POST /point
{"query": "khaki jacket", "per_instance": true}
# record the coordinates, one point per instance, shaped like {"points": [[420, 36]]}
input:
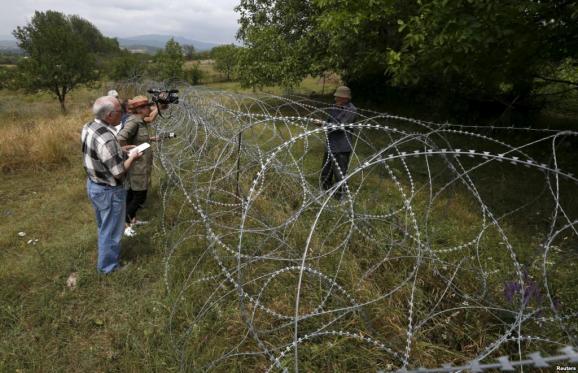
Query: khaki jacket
{"points": [[136, 132]]}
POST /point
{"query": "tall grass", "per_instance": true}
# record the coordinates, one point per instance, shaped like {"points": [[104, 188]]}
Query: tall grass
{"points": [[36, 135]]}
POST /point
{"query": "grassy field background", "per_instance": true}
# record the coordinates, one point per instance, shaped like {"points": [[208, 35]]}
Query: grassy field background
{"points": [[105, 323], [102, 324], [129, 321]]}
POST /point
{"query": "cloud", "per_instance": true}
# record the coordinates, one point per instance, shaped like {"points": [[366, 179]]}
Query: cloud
{"points": [[213, 20]]}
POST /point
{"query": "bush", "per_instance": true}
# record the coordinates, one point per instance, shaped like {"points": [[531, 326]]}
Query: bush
{"points": [[194, 75]]}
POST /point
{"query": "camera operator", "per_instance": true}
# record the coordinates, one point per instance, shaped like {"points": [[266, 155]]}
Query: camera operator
{"points": [[137, 131]]}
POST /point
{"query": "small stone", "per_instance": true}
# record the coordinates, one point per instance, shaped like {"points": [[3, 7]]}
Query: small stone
{"points": [[72, 280], [22, 234]]}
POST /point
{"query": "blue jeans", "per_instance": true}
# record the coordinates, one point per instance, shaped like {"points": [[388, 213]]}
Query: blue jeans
{"points": [[110, 207]]}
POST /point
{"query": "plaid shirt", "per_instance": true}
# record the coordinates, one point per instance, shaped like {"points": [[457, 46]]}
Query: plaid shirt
{"points": [[102, 155]]}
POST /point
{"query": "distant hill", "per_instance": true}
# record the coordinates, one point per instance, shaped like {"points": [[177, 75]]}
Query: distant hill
{"points": [[152, 43], [141, 43], [8, 44]]}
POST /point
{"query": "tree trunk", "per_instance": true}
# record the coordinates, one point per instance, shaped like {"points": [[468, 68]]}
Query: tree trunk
{"points": [[61, 97], [62, 106]]}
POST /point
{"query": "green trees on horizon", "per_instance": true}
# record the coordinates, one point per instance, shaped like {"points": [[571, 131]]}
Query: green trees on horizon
{"points": [[510, 52], [168, 63], [65, 51]]}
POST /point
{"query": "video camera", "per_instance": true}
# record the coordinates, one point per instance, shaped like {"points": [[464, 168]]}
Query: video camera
{"points": [[164, 96]]}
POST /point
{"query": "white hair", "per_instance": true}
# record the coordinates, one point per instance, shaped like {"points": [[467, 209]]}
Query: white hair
{"points": [[104, 106]]}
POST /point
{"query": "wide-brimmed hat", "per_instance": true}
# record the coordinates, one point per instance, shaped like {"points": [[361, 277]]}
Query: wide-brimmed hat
{"points": [[343, 91], [138, 101], [112, 93]]}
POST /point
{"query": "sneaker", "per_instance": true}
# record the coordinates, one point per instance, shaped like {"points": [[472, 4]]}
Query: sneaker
{"points": [[140, 222], [129, 232]]}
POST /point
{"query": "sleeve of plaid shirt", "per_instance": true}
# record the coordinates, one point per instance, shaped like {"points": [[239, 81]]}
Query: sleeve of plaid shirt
{"points": [[110, 154]]}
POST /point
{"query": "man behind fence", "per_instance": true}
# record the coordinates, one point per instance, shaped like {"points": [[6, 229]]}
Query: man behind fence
{"points": [[339, 141]]}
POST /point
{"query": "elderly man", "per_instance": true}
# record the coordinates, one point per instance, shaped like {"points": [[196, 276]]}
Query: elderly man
{"points": [[106, 164], [136, 131], [339, 141]]}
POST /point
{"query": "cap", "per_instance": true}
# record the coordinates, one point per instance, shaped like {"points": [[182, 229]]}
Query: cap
{"points": [[112, 93], [343, 92]]}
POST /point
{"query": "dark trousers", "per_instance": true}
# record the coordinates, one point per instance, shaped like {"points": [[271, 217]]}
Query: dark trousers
{"points": [[135, 200], [333, 170]]}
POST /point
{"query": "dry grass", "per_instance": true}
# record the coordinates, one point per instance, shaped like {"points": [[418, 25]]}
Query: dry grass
{"points": [[36, 135], [41, 144]]}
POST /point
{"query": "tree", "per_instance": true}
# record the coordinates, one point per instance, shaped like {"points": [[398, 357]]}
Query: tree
{"points": [[7, 77], [225, 57], [194, 74], [484, 48], [478, 49], [61, 53], [189, 52], [282, 43], [168, 63], [281, 64], [127, 65]]}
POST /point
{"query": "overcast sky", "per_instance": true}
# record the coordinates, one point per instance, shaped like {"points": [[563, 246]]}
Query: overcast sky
{"points": [[203, 20]]}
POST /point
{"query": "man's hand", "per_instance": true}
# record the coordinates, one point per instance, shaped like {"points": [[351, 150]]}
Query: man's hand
{"points": [[127, 148], [134, 155]]}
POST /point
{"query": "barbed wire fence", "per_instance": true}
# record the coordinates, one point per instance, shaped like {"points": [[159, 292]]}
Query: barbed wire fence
{"points": [[420, 263]]}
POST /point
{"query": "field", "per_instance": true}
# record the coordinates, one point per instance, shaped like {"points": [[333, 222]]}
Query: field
{"points": [[217, 80], [147, 317]]}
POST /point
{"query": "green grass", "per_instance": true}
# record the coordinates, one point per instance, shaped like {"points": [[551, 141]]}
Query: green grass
{"points": [[129, 321], [455, 219], [309, 86], [106, 322]]}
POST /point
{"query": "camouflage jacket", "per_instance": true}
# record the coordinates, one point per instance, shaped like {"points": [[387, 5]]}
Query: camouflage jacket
{"points": [[136, 132]]}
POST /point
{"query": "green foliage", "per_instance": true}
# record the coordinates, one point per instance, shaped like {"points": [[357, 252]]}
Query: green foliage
{"points": [[61, 53], [8, 58], [270, 60], [480, 49], [6, 77], [128, 65], [226, 57], [282, 45], [189, 52], [193, 75], [168, 63], [92, 37]]}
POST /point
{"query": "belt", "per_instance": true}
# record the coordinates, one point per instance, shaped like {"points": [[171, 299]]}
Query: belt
{"points": [[101, 184]]}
